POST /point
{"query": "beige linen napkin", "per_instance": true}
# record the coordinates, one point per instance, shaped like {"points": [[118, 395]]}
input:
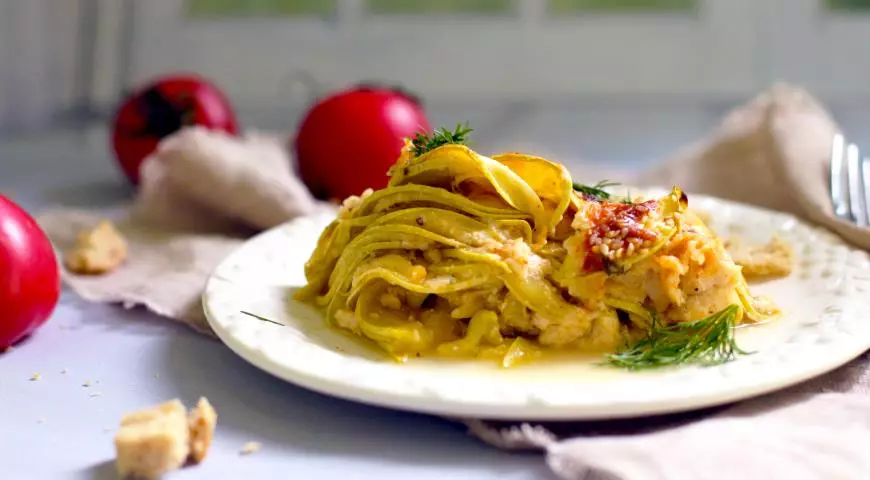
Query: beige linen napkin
{"points": [[203, 193]]}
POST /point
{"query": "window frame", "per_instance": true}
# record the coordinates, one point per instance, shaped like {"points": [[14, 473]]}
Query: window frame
{"points": [[495, 58]]}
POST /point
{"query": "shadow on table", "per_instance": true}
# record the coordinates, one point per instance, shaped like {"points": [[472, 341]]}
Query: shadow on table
{"points": [[101, 471], [261, 407]]}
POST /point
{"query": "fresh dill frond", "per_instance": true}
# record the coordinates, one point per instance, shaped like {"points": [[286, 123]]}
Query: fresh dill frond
{"points": [[597, 191], [261, 318], [706, 342], [423, 143]]}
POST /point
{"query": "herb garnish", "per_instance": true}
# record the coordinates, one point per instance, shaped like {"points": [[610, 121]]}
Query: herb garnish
{"points": [[423, 143], [261, 318], [706, 342], [595, 192]]}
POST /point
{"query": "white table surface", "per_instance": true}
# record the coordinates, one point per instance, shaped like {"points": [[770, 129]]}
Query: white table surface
{"points": [[57, 428]]}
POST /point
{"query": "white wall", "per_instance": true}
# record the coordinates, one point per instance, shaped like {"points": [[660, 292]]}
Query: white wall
{"points": [[37, 52]]}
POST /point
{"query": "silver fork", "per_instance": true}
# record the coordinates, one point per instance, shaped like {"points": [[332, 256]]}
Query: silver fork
{"points": [[850, 182]]}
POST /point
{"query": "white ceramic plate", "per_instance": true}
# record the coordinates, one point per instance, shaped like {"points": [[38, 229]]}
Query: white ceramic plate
{"points": [[826, 323]]}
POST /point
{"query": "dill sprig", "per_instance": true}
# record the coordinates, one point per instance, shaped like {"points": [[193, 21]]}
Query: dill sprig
{"points": [[423, 143], [597, 191], [706, 342], [261, 318]]}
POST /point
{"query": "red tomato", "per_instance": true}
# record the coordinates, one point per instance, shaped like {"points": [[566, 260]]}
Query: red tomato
{"points": [[159, 110], [348, 141], [29, 274]]}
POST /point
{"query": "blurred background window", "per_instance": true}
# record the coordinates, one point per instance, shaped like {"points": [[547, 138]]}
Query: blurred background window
{"points": [[488, 7], [848, 5], [76, 58], [584, 6], [257, 8]]}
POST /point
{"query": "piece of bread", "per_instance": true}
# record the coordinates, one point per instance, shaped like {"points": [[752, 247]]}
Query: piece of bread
{"points": [[97, 251], [202, 421], [152, 441], [773, 259]]}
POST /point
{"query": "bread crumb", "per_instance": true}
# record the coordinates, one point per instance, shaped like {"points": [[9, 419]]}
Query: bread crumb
{"points": [[156, 440], [773, 259], [202, 421], [86, 384], [153, 441], [97, 251], [35, 377], [250, 447]]}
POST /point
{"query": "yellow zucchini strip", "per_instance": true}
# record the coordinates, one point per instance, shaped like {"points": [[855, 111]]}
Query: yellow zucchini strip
{"points": [[512, 226], [482, 328], [398, 336], [446, 223], [390, 197], [446, 163], [426, 286], [548, 179], [541, 297], [351, 259], [629, 307], [357, 252]]}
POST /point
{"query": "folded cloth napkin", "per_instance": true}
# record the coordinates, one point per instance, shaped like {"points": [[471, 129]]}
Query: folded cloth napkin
{"points": [[203, 193]]}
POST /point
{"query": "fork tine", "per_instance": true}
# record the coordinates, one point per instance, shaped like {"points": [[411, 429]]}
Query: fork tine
{"points": [[854, 176], [865, 169], [838, 196]]}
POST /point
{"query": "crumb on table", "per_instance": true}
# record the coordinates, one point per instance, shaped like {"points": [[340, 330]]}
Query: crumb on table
{"points": [[250, 447], [36, 376], [202, 421], [97, 251], [154, 441]]}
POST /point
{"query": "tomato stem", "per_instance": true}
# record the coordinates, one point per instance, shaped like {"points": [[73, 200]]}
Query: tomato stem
{"points": [[163, 117]]}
